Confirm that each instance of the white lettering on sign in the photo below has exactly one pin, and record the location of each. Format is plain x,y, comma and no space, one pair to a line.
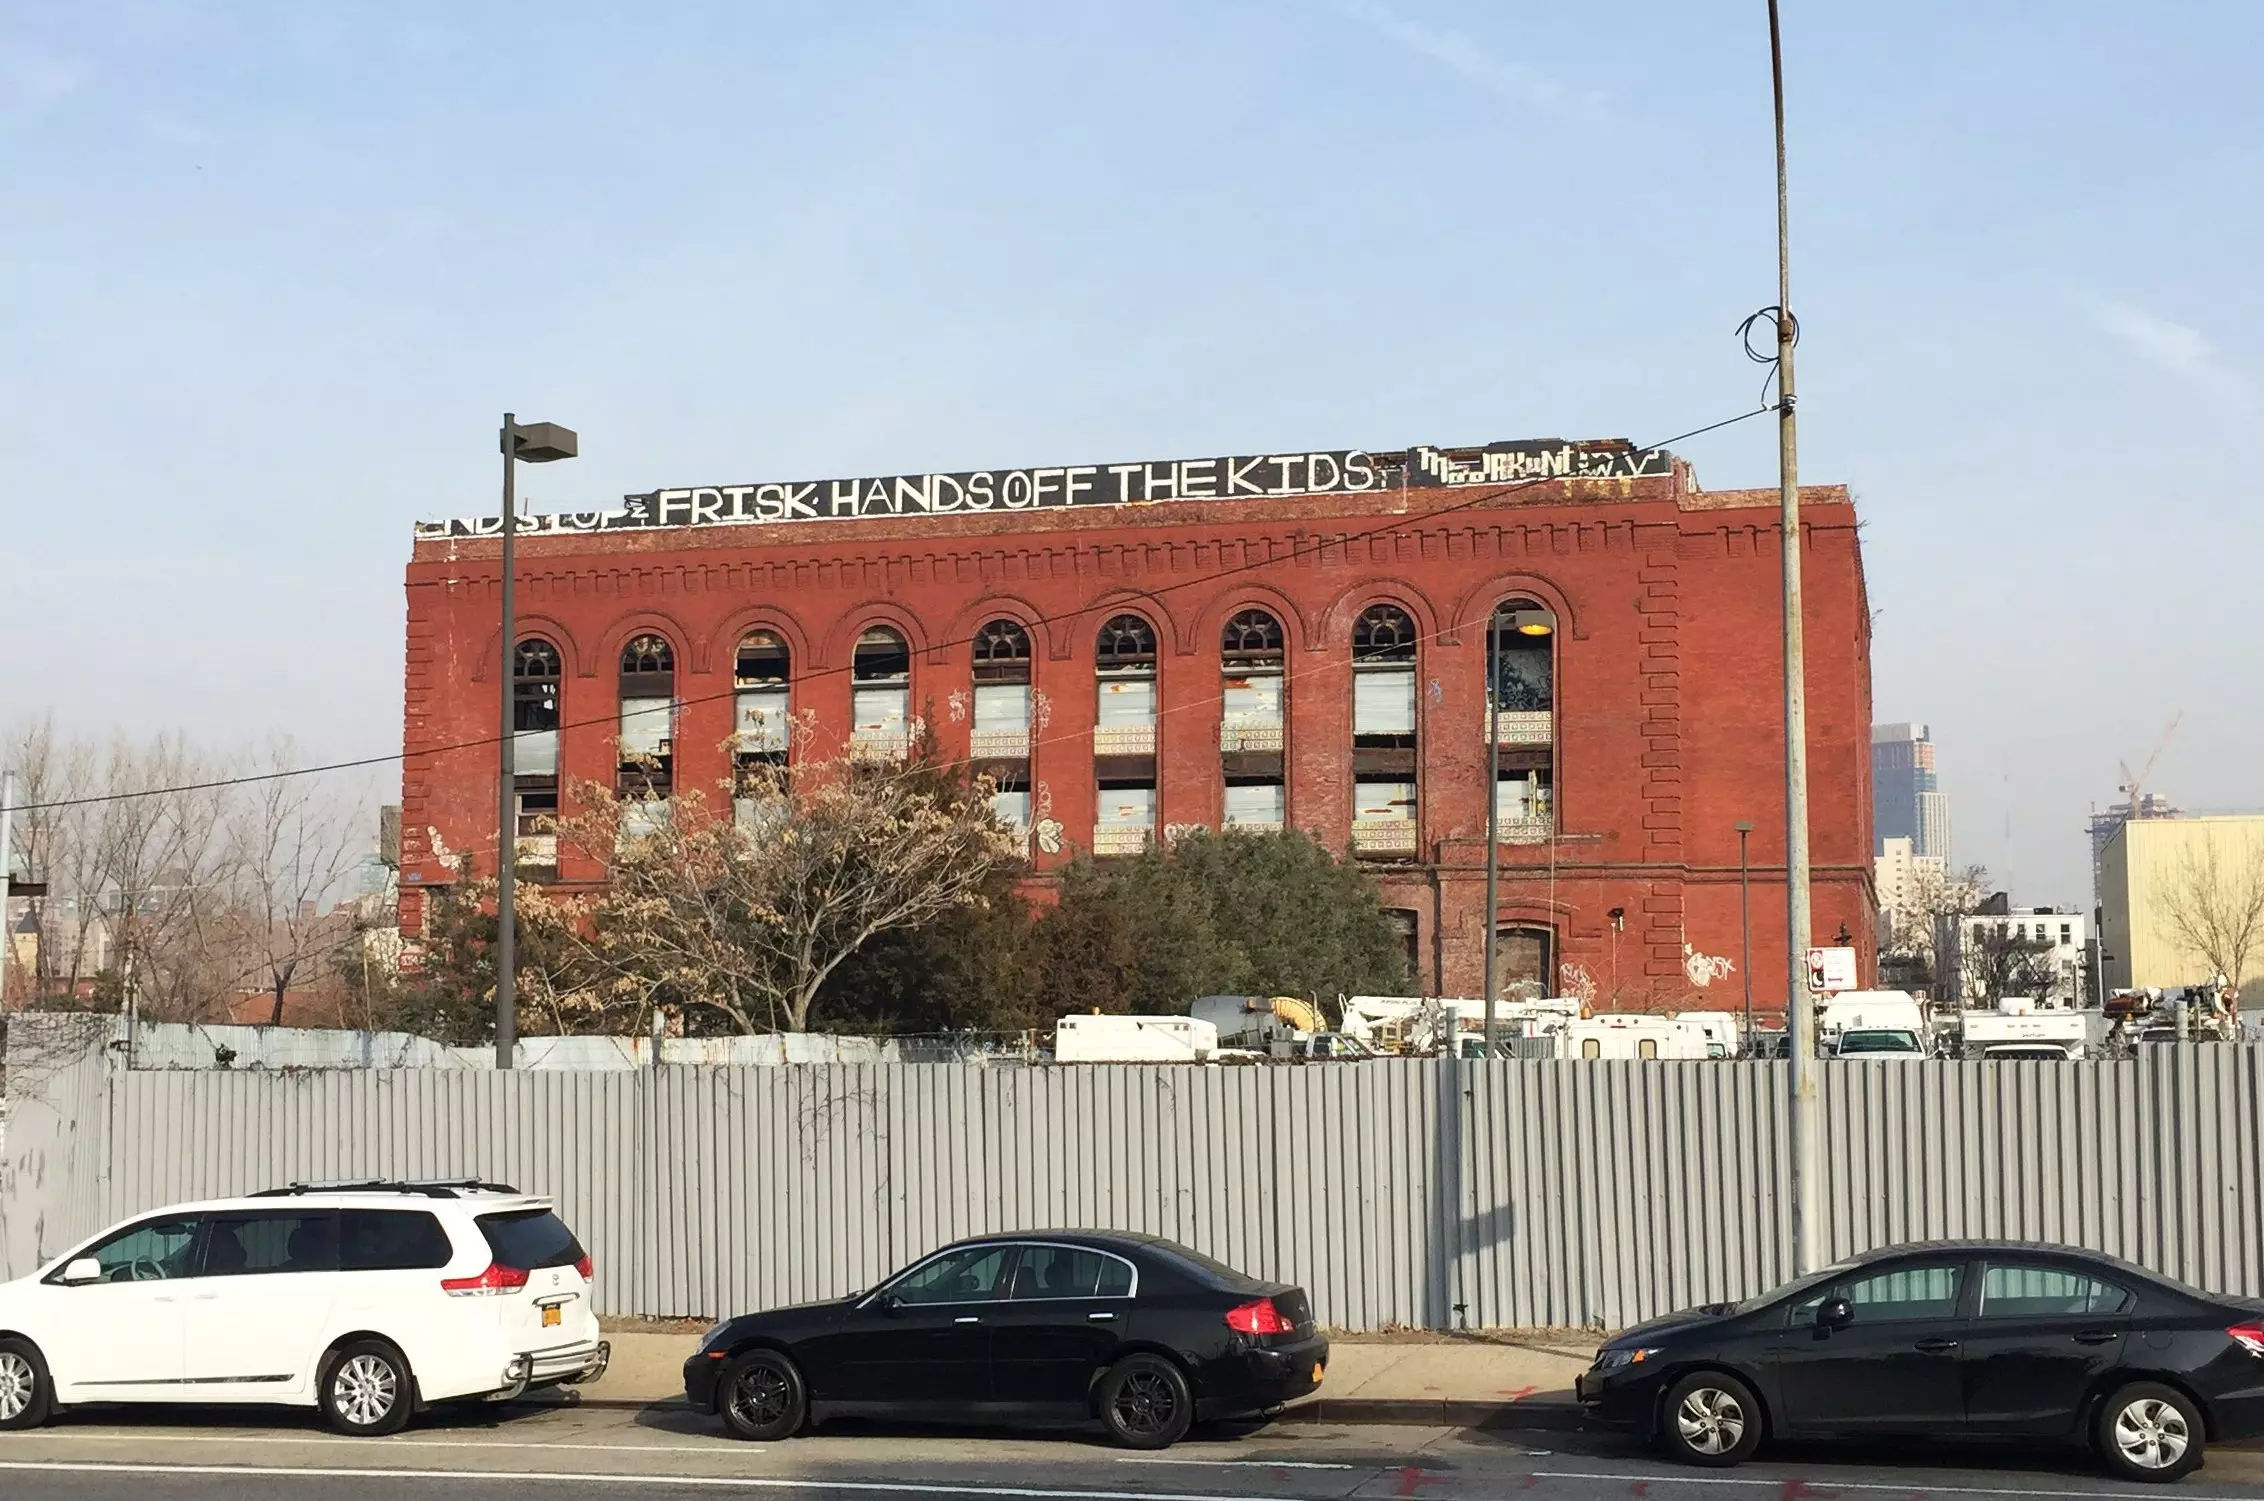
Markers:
1349,471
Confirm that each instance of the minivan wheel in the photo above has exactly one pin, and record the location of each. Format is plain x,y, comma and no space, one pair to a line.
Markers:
1145,1403
1710,1418
762,1397
2149,1432
366,1389
26,1398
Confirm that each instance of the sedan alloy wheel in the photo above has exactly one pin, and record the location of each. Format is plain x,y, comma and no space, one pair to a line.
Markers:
1710,1420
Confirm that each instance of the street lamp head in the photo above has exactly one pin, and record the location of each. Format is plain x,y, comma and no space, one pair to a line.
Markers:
542,442
1744,826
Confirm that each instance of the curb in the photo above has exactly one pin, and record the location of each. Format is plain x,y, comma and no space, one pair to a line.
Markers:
1432,1412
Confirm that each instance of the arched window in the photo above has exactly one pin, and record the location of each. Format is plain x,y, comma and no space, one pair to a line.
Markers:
1384,654
1251,662
1521,673
1524,961
880,674
762,675
1124,735
1002,710
648,716
536,675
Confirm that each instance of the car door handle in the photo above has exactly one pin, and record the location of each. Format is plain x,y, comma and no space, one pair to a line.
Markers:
1936,1346
966,1319
2097,1337
1100,1315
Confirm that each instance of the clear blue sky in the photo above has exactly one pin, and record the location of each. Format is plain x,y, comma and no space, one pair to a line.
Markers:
273,270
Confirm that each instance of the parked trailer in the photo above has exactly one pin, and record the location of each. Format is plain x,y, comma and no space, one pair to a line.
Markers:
1633,1037
1133,1039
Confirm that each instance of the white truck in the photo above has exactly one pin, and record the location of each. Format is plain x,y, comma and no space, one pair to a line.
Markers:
1133,1039
2016,1028
1633,1035
1887,1024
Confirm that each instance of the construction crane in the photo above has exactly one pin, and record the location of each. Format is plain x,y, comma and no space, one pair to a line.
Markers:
2134,786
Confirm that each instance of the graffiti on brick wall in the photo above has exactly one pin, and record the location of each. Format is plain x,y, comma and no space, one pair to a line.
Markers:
1704,969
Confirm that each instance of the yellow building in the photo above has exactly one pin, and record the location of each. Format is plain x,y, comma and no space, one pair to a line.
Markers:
2152,869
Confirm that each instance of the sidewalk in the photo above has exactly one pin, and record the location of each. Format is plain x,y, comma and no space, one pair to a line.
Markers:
1496,1382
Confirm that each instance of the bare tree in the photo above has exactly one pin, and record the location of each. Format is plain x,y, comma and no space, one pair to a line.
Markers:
1925,945
1992,963
290,849
2212,906
746,913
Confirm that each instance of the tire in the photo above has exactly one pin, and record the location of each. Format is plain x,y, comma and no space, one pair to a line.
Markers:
1710,1418
1145,1402
761,1397
367,1389
2148,1432
27,1397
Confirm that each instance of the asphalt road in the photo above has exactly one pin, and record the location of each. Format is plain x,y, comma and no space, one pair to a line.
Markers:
569,1454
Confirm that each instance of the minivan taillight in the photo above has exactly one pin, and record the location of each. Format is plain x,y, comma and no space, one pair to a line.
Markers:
2249,1337
585,1266
1260,1317
493,1282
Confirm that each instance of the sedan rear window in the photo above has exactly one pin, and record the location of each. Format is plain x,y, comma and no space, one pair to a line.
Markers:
530,1239
2012,1291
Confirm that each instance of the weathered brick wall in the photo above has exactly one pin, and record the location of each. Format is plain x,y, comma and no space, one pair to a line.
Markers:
1668,683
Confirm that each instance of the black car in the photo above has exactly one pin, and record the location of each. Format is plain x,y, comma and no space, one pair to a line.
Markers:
1981,1340
1143,1334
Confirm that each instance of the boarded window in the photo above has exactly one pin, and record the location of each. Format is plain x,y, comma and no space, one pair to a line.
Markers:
1011,808
1127,807
1523,800
1253,701
1263,803
1127,702
763,720
880,711
1002,706
1375,802
534,753
645,726
1383,702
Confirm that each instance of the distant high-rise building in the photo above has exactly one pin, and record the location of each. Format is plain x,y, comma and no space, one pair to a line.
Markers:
1906,797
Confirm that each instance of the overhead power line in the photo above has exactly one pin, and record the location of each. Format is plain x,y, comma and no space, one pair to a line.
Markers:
1396,524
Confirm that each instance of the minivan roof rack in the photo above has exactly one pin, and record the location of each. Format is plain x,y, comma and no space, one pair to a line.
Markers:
431,1188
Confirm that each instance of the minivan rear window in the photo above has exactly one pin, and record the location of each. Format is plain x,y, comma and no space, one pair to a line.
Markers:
530,1239
391,1240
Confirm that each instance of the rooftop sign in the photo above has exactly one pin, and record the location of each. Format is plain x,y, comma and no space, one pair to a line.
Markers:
1346,471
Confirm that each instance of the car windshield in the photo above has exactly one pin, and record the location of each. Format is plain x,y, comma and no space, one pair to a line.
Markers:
1878,1042
1795,1287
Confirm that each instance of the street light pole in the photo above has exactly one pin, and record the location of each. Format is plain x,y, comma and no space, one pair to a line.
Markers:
537,443
1493,818
1800,1021
1745,924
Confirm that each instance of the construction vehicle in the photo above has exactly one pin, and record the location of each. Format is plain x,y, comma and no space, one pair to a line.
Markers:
2017,1028
1282,1027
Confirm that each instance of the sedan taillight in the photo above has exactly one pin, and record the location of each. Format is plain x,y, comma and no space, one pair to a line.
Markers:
2249,1337
1260,1317
494,1282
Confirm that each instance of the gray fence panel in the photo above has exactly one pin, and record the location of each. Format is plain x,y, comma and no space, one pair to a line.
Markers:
1497,1193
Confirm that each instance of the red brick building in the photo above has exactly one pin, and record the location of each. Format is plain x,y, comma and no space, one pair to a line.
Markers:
1137,650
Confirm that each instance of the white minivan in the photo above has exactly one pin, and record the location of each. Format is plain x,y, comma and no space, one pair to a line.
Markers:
367,1301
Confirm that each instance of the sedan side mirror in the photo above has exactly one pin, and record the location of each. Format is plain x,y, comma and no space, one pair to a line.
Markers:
891,1304
85,1269
1837,1313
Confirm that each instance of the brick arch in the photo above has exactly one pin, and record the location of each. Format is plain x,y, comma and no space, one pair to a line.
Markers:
691,652
1477,603
841,641
550,628
1085,626
1294,619
960,634
1336,621
738,625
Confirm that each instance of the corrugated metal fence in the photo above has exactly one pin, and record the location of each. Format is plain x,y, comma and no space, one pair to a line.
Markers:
1503,1193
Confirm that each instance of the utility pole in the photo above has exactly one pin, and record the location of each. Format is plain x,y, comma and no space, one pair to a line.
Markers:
1800,1020
1493,819
1745,924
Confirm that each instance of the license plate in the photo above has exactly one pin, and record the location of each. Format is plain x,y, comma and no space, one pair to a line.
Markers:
552,1315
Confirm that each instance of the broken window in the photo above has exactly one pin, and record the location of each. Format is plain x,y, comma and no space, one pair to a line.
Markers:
1523,966
1521,674
535,678
880,695
648,717
1002,691
535,819
762,675
1383,817
1383,679
1251,660
1125,664
1125,820
1258,806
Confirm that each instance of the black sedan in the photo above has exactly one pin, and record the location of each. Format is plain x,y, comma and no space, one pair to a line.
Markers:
1978,1340
1145,1335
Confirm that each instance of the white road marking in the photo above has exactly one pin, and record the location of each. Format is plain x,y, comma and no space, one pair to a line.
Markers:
569,1477
134,1435
1247,1464
1827,1482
